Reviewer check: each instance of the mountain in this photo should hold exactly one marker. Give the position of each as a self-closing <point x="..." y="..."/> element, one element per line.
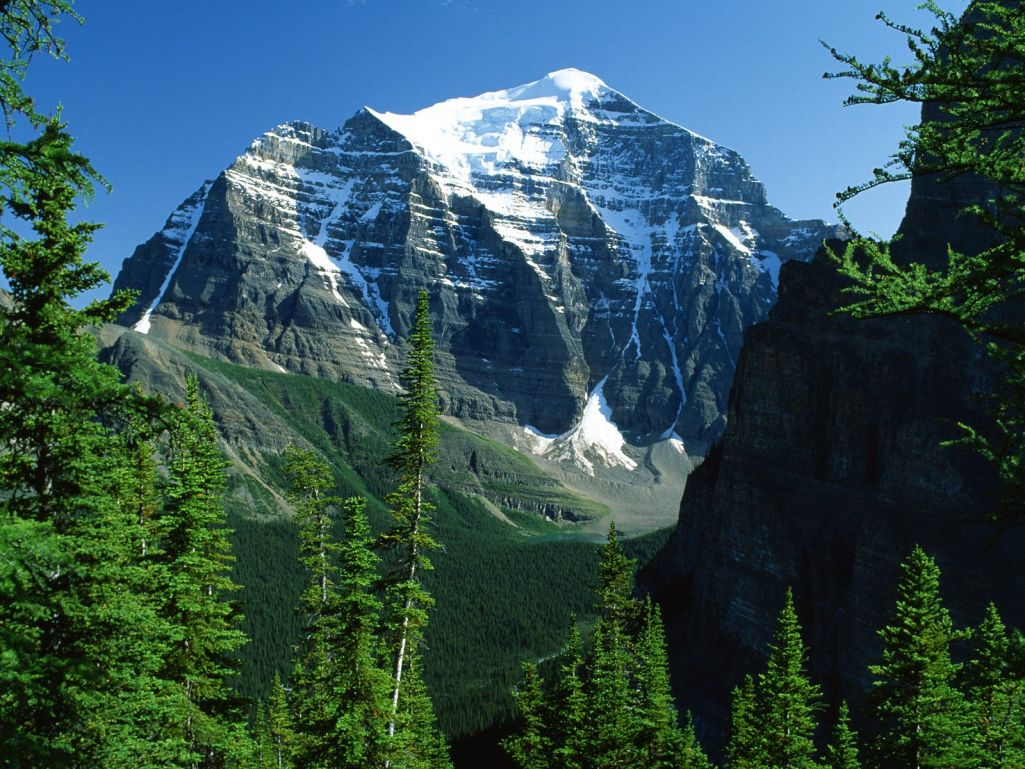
<point x="830" y="470"/>
<point x="592" y="267"/>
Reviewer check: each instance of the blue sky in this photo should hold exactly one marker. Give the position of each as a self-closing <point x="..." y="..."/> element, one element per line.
<point x="162" y="95"/>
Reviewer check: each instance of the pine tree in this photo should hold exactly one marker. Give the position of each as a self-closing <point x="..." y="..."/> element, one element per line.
<point x="81" y="642"/>
<point x="362" y="684"/>
<point x="340" y="690"/>
<point x="417" y="742"/>
<point x="611" y="726"/>
<point x="996" y="693"/>
<point x="274" y="733"/>
<point x="787" y="700"/>
<point x="691" y="754"/>
<point x="315" y="674"/>
<point x="842" y="752"/>
<point x="616" y="602"/>
<point x="745" y="747"/>
<point x="410" y="536"/>
<point x="567" y="711"/>
<point x="531" y="747"/>
<point x="923" y="717"/>
<point x="660" y="741"/>
<point x="198" y="560"/>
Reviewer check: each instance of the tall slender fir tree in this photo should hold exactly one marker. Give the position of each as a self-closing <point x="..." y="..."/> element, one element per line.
<point x="924" y="718"/>
<point x="410" y="538"/>
<point x="197" y="555"/>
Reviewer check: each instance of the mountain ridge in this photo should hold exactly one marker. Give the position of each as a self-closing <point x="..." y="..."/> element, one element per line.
<point x="578" y="248"/>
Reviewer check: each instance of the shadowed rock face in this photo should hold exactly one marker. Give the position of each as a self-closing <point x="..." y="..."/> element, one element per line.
<point x="829" y="472"/>
<point x="574" y="244"/>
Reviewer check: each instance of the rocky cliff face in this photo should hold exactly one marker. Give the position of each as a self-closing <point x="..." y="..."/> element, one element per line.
<point x="829" y="472"/>
<point x="592" y="266"/>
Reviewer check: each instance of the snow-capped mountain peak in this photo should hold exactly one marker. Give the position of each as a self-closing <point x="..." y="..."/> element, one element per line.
<point x="592" y="266"/>
<point x="479" y="135"/>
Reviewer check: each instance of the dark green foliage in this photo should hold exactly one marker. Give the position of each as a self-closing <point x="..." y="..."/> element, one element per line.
<point x="774" y="722"/>
<point x="339" y="696"/>
<point x="924" y="719"/>
<point x="273" y="733"/>
<point x="744" y="749"/>
<point x="842" y="751"/>
<point x="531" y="748"/>
<point x="489" y="570"/>
<point x="970" y="71"/>
<point x="787" y="700"/>
<point x="614" y="709"/>
<point x="412" y="724"/>
<point x="197" y="559"/>
<point x="81" y="641"/>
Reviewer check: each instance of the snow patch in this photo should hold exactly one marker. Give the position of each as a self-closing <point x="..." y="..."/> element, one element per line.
<point x="596" y="438"/>
<point x="179" y="230"/>
<point x="329" y="270"/>
<point x="769" y="261"/>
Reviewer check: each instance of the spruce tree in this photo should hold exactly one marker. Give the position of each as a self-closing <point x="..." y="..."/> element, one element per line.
<point x="787" y="700"/>
<point x="996" y="693"/>
<point x="197" y="555"/>
<point x="745" y="749"/>
<point x="567" y="712"/>
<point x="361" y="683"/>
<point x="531" y="747"/>
<point x="661" y="743"/>
<point x="616" y="708"/>
<point x="273" y="732"/>
<point x="81" y="642"/>
<point x="842" y="751"/>
<point x="612" y="728"/>
<point x="617" y="604"/>
<point x="922" y="717"/>
<point x="410" y="536"/>
<point x="340" y="690"/>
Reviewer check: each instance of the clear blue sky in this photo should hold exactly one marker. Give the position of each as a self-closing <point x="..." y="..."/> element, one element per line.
<point x="162" y="95"/>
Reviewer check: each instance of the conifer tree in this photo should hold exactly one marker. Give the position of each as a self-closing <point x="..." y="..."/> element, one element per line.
<point x="567" y="714"/>
<point x="531" y="748"/>
<point x="745" y="749"/>
<point x="362" y="684"/>
<point x="842" y="751"/>
<point x="997" y="696"/>
<point x="198" y="560"/>
<point x="923" y="717"/>
<point x="969" y="71"/>
<point x="661" y="742"/>
<point x="80" y="641"/>
<point x="410" y="536"/>
<point x="616" y="708"/>
<point x="417" y="742"/>
<point x="787" y="700"/>
<point x="617" y="604"/>
<point x="611" y="725"/>
<point x="340" y="689"/>
<point x="274" y="733"/>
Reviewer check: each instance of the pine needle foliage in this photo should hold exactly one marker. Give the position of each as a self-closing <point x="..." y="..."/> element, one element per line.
<point x="615" y="708"/>
<point x="410" y="538"/>
<point x="971" y="71"/>
<point x="923" y="716"/>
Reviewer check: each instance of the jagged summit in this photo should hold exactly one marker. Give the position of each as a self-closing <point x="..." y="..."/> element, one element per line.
<point x="592" y="265"/>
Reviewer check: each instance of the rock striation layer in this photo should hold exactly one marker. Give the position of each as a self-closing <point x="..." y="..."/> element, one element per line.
<point x="587" y="260"/>
<point x="830" y="470"/>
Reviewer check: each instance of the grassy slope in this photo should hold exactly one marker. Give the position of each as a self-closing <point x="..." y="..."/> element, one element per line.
<point x="504" y="589"/>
